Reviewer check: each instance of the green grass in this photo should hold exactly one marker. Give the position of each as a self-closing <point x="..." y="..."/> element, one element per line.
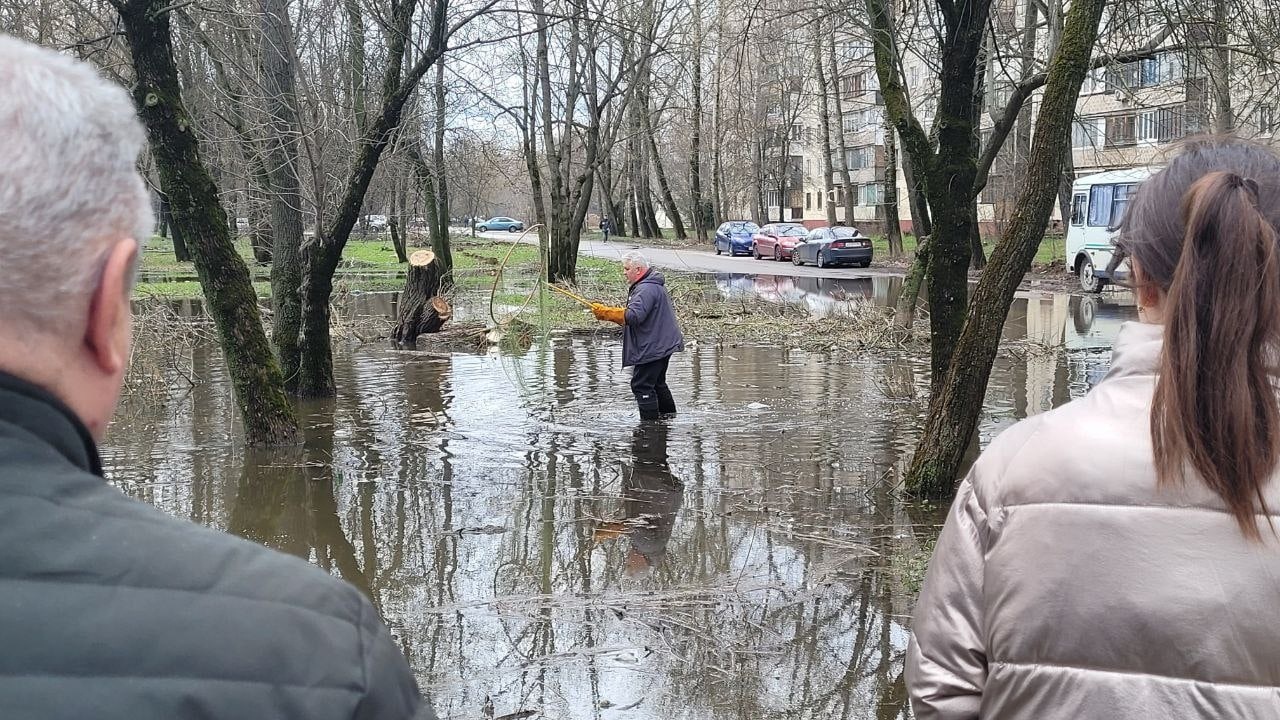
<point x="370" y="265"/>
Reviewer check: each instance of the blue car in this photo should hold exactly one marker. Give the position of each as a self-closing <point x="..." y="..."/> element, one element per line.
<point x="734" y="237"/>
<point x="500" y="223"/>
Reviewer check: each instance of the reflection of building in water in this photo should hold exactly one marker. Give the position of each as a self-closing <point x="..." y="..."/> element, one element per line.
<point x="1057" y="348"/>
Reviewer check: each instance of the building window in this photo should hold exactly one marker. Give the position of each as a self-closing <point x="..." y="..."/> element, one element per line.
<point x="797" y="132"/>
<point x="1161" y="69"/>
<point x="1121" y="131"/>
<point x="859" y="158"/>
<point x="819" y="196"/>
<point x="1161" y="125"/>
<point x="1094" y="82"/>
<point x="849" y="123"/>
<point x="872" y="194"/>
<point x="1084" y="133"/>
<point x="854" y="84"/>
<point x="807" y="200"/>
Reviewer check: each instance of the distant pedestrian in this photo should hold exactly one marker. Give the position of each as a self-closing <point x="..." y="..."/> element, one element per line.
<point x="650" y="335"/>
<point x="113" y="609"/>
<point x="1133" y="572"/>
<point x="606" y="227"/>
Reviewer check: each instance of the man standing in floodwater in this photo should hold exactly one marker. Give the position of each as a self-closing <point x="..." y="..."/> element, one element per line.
<point x="650" y="335"/>
<point x="109" y="608"/>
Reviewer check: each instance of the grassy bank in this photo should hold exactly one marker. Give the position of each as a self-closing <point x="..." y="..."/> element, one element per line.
<point x="704" y="313"/>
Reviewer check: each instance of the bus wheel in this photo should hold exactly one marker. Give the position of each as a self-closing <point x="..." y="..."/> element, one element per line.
<point x="1089" y="282"/>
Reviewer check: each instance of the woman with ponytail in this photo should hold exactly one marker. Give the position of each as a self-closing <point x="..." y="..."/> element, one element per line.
<point x="1117" y="557"/>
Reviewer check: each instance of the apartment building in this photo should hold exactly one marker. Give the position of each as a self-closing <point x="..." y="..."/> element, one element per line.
<point x="1128" y="115"/>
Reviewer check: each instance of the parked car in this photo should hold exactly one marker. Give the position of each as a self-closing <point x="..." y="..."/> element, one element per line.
<point x="777" y="240"/>
<point x="377" y="222"/>
<point x="500" y="223"/>
<point x="831" y="246"/>
<point x="734" y="237"/>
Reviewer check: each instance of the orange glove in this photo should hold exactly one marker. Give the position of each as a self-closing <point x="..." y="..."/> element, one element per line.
<point x="606" y="312"/>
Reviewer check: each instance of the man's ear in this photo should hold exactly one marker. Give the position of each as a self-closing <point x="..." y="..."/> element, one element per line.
<point x="109" y="309"/>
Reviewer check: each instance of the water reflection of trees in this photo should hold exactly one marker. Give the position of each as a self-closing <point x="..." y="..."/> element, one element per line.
<point x="461" y="494"/>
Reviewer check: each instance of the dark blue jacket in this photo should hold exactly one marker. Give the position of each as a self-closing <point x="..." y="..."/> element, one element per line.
<point x="651" y="332"/>
<point x="111" y="609"/>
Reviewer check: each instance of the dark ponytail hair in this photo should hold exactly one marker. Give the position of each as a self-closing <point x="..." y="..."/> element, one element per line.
<point x="1215" y="408"/>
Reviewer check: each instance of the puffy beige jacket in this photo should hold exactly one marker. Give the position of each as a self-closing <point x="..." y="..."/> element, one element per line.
<point x="1065" y="585"/>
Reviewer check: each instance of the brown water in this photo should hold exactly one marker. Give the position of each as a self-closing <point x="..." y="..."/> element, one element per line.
<point x="534" y="550"/>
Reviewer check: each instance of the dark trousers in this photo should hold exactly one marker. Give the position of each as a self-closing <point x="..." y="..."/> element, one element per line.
<point x="649" y="383"/>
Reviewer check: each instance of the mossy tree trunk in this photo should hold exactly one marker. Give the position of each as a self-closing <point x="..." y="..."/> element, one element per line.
<point x="229" y="294"/>
<point x="281" y="150"/>
<point x="954" y="413"/>
<point x="947" y="173"/>
<point x="322" y="253"/>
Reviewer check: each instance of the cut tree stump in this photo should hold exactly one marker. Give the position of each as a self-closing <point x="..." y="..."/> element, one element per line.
<point x="422" y="310"/>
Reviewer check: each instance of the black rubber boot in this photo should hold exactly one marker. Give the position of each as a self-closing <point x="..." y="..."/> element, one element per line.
<point x="666" y="403"/>
<point x="648" y="407"/>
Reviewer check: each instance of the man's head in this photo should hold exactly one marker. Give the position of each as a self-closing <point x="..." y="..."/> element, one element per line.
<point x="634" y="266"/>
<point x="73" y="212"/>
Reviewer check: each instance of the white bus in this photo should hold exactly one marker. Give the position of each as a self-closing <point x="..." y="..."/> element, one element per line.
<point x="1098" y="203"/>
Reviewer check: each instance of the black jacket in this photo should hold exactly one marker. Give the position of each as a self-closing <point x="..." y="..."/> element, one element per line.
<point x="112" y="609"/>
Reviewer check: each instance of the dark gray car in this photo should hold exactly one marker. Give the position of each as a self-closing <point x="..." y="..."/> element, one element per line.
<point x="832" y="246"/>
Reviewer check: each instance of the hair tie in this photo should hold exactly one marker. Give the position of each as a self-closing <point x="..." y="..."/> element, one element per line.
<point x="1248" y="183"/>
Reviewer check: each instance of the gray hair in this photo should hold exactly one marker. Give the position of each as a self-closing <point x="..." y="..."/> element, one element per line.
<point x="635" y="258"/>
<point x="69" y="183"/>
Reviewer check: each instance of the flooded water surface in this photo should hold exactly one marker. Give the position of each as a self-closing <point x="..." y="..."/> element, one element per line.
<point x="540" y="553"/>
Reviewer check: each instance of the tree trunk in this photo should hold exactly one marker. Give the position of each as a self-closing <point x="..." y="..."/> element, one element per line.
<point x="954" y="412"/>
<point x="229" y="295"/>
<point x="921" y="225"/>
<point x="1224" y="118"/>
<point x="440" y="232"/>
<point x="824" y="118"/>
<point x="977" y="253"/>
<point x="322" y="253"/>
<point x="664" y="190"/>
<point x="260" y="238"/>
<point x="355" y="63"/>
<point x="950" y="172"/>
<point x="695" y="141"/>
<point x="847" y="195"/>
<point x="904" y="315"/>
<point x="892" y="224"/>
<point x="397" y="227"/>
<point x="281" y="150"/>
<point x="180" y="251"/>
<point x="421" y="309"/>
<point x="717" y="167"/>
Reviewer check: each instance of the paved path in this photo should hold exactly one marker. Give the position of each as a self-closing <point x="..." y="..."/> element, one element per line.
<point x="705" y="261"/>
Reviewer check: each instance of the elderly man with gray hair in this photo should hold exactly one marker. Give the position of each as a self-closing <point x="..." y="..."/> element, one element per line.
<point x="108" y="607"/>
<point x="650" y="335"/>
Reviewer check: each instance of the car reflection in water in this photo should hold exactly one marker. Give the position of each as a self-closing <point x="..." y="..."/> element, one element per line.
<point x="821" y="295"/>
<point x="652" y="497"/>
